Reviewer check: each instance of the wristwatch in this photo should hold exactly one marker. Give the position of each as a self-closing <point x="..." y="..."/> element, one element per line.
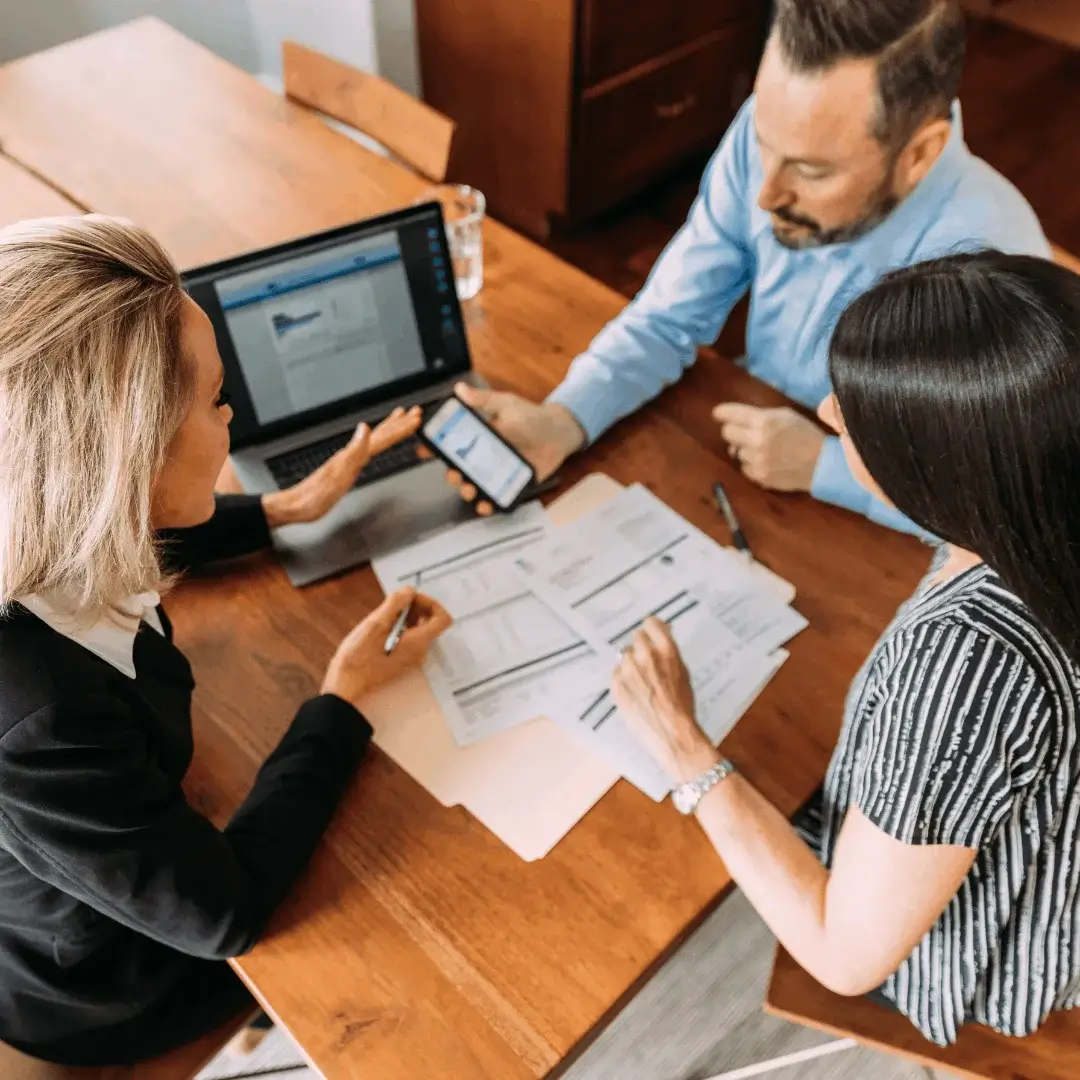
<point x="687" y="796"/>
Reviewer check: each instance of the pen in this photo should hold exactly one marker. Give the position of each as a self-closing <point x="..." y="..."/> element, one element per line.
<point x="723" y="504"/>
<point x="398" y="630"/>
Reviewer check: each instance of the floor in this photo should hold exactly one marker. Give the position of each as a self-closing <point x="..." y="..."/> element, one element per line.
<point x="700" y="1017"/>
<point x="1021" y="98"/>
<point x="276" y="1057"/>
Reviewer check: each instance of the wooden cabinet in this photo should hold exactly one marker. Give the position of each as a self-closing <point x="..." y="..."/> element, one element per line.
<point x="564" y="107"/>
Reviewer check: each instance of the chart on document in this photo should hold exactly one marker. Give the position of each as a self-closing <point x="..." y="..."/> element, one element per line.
<point x="508" y="658"/>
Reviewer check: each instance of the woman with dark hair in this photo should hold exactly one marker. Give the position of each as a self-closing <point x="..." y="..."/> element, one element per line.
<point x="947" y="880"/>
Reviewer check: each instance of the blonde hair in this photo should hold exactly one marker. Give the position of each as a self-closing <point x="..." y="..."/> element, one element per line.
<point x="93" y="388"/>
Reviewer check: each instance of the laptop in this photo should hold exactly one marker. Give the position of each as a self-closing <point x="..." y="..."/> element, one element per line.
<point x="321" y="333"/>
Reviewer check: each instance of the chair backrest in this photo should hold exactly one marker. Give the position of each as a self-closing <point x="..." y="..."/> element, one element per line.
<point x="414" y="132"/>
<point x="182" y="1064"/>
<point x="1052" y="1053"/>
<point x="1065" y="259"/>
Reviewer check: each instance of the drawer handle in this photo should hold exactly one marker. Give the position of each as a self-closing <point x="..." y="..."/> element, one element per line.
<point x="676" y="108"/>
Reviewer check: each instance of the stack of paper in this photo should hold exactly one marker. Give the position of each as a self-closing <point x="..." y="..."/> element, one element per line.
<point x="542" y="613"/>
<point x="508" y="658"/>
<point x="633" y="558"/>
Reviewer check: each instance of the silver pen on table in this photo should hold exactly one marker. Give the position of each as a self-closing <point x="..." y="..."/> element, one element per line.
<point x="723" y="504"/>
<point x="397" y="632"/>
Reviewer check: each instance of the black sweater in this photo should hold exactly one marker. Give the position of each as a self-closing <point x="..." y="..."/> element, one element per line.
<point x="109" y="881"/>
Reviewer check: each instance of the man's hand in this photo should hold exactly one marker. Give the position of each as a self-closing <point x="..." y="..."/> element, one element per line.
<point x="545" y="435"/>
<point x="318" y="493"/>
<point x="776" y="448"/>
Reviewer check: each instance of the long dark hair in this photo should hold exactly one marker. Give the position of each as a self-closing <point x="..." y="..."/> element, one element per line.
<point x="959" y="383"/>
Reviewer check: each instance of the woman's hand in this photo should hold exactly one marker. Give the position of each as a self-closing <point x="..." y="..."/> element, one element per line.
<point x="651" y="687"/>
<point x="320" y="492"/>
<point x="361" y="663"/>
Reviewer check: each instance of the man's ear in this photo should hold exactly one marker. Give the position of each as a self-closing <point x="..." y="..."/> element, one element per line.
<point x="919" y="155"/>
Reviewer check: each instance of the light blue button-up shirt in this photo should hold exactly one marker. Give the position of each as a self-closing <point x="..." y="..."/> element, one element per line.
<point x="727" y="248"/>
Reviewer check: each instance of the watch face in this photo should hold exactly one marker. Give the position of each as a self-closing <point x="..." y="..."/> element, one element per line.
<point x="684" y="798"/>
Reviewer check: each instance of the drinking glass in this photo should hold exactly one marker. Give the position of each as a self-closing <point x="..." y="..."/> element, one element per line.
<point x="464" y="209"/>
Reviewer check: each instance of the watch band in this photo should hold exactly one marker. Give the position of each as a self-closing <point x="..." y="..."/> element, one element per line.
<point x="686" y="797"/>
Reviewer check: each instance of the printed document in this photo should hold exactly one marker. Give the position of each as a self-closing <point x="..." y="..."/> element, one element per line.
<point x="508" y="658"/>
<point x="634" y="557"/>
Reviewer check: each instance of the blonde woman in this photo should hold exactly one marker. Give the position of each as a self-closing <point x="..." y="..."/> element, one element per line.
<point x="118" y="902"/>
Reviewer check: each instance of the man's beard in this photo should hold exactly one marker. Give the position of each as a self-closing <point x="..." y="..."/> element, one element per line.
<point x="882" y="205"/>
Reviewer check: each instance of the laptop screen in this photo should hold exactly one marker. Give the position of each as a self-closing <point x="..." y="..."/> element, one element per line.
<point x="334" y="322"/>
<point x="322" y="327"/>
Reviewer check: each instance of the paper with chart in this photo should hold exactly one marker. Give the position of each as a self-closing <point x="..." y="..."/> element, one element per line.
<point x="508" y="658"/>
<point x="634" y="557"/>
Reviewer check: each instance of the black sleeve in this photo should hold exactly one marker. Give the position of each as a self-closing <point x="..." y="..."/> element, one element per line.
<point x="237" y="528"/>
<point x="83" y="807"/>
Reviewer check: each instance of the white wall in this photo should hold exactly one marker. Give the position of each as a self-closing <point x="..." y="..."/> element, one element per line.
<point x="395" y="36"/>
<point x="223" y="25"/>
<point x="343" y="28"/>
<point x="376" y="35"/>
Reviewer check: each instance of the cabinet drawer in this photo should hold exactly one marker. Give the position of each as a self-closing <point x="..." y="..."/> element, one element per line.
<point x="632" y="133"/>
<point x="619" y="34"/>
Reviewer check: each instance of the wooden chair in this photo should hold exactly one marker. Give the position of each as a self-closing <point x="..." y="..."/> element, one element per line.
<point x="1065" y="259"/>
<point x="413" y="132"/>
<point x="182" y="1064"/>
<point x="1052" y="1053"/>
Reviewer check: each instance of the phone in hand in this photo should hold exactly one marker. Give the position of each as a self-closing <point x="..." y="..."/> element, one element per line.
<point x="466" y="442"/>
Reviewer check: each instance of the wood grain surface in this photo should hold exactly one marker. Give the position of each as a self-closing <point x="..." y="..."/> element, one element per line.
<point x="23" y="195"/>
<point x="416" y="945"/>
<point x="1052" y="1053"/>
<point x="413" y="132"/>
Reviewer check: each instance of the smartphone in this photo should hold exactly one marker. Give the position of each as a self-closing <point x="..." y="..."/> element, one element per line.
<point x="466" y="442"/>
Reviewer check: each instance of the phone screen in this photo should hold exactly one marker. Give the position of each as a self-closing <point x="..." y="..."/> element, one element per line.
<point x="478" y="453"/>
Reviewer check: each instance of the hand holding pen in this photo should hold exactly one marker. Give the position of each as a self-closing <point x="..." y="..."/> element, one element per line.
<point x="375" y="652"/>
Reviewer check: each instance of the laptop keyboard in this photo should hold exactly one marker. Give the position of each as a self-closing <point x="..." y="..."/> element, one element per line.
<point x="295" y="465"/>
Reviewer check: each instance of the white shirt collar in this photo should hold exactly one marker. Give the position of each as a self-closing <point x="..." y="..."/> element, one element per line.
<point x="111" y="639"/>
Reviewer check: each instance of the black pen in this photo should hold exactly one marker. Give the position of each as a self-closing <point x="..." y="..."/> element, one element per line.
<point x="723" y="504"/>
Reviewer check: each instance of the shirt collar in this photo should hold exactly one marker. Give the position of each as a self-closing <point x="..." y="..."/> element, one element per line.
<point x="112" y="638"/>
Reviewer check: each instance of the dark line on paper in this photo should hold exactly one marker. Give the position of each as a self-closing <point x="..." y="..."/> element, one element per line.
<point x="630" y="570"/>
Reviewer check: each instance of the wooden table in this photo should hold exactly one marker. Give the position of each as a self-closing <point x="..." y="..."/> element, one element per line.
<point x="24" y="195"/>
<point x="417" y="945"/>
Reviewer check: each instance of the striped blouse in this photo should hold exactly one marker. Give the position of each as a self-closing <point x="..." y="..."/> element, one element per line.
<point x="961" y="728"/>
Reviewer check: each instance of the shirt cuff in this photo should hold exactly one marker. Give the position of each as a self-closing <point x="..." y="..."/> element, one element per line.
<point x="590" y="404"/>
